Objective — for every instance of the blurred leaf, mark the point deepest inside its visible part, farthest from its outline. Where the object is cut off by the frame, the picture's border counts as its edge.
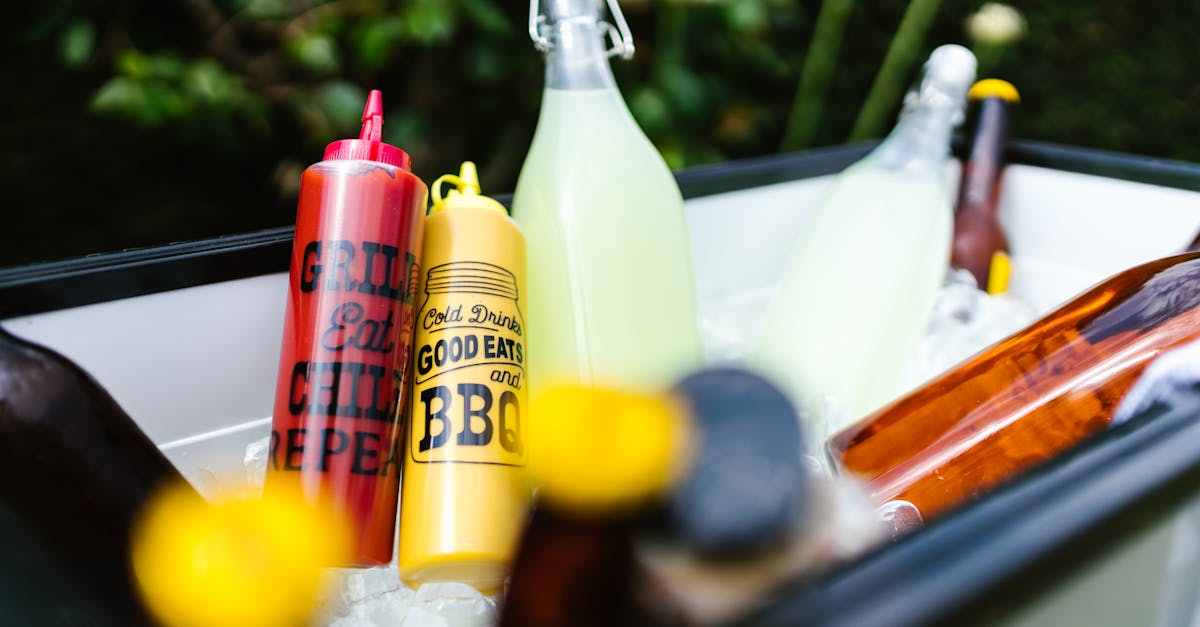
(342, 103)
(429, 21)
(406, 127)
(118, 95)
(672, 153)
(314, 52)
(137, 65)
(746, 16)
(267, 9)
(685, 91)
(77, 43)
(487, 16)
(148, 103)
(761, 56)
(651, 111)
(376, 39)
(133, 64)
(163, 102)
(487, 63)
(209, 82)
(700, 154)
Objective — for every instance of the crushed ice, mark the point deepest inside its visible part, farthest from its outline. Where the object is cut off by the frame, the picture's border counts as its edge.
(964, 321)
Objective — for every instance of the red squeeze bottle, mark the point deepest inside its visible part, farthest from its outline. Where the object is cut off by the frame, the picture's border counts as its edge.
(347, 335)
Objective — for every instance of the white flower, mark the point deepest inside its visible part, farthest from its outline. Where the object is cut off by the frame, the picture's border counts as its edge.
(996, 24)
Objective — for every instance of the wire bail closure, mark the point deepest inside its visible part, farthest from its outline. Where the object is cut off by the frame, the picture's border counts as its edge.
(620, 36)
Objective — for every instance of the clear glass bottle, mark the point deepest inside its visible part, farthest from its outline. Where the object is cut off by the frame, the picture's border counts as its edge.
(856, 294)
(611, 285)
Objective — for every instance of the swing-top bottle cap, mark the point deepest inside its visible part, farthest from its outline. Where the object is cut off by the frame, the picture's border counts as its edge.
(369, 145)
(465, 193)
(952, 69)
(565, 9)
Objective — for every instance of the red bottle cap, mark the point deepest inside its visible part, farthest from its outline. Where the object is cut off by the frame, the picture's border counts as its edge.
(368, 145)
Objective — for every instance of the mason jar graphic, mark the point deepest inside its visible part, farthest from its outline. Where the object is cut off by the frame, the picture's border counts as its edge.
(464, 498)
(469, 374)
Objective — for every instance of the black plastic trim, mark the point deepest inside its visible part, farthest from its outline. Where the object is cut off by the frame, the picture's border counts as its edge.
(937, 573)
(37, 288)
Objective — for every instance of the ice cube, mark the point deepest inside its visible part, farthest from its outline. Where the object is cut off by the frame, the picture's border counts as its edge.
(364, 597)
(205, 482)
(421, 617)
(846, 525)
(729, 326)
(351, 622)
(460, 604)
(964, 321)
(255, 461)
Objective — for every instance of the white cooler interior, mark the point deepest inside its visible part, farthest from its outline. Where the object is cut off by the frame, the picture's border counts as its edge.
(196, 367)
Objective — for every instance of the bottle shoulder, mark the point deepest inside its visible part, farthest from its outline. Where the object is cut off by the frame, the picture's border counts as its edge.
(493, 222)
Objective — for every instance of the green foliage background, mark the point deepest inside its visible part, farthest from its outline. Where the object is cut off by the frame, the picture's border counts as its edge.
(138, 122)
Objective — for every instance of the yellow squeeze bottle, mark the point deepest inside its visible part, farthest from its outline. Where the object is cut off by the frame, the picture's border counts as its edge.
(463, 498)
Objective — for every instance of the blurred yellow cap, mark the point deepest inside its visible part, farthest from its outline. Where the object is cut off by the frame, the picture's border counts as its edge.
(594, 451)
(249, 562)
(994, 87)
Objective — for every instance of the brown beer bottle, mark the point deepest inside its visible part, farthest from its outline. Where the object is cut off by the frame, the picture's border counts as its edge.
(979, 243)
(1027, 398)
(714, 470)
(75, 469)
(572, 570)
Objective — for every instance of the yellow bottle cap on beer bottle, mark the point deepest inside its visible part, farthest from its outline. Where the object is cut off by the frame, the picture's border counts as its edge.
(994, 88)
(466, 192)
(594, 451)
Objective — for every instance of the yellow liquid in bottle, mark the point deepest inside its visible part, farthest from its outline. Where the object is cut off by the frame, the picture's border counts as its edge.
(611, 286)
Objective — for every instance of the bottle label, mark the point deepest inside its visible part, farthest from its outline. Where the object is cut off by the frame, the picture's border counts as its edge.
(469, 368)
(347, 340)
(351, 376)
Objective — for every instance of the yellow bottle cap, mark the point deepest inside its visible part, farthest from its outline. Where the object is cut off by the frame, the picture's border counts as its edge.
(998, 273)
(465, 193)
(994, 88)
(594, 451)
(247, 562)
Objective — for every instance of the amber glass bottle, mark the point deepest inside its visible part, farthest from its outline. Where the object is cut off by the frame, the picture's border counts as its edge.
(978, 238)
(714, 470)
(1028, 398)
(571, 571)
